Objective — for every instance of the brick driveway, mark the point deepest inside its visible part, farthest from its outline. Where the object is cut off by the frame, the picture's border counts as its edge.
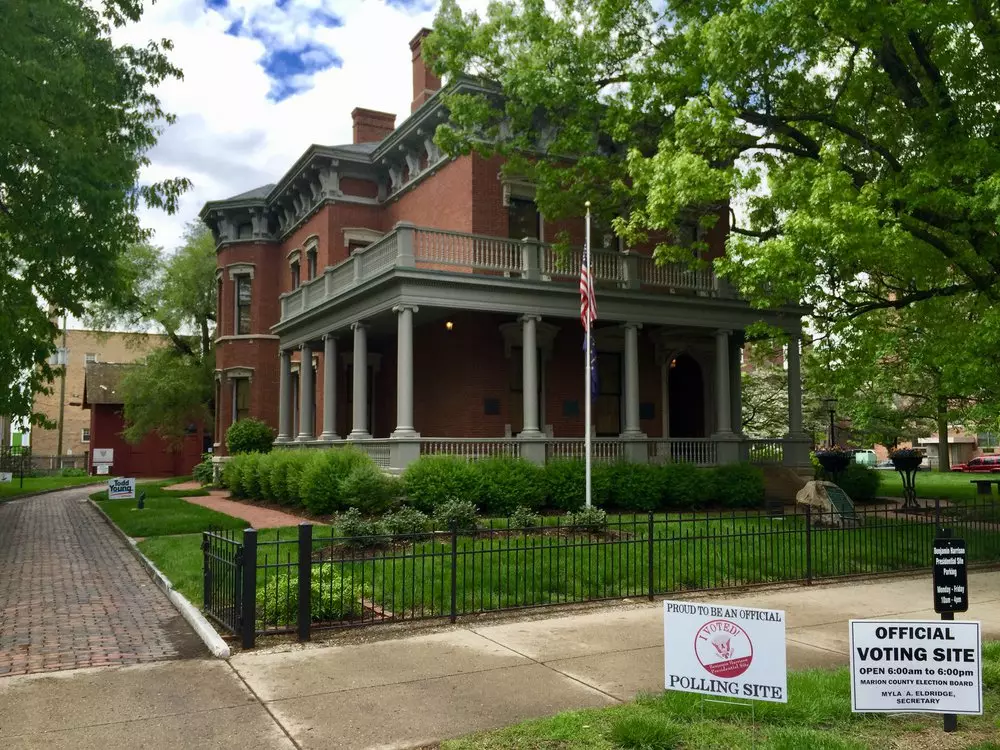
(72, 595)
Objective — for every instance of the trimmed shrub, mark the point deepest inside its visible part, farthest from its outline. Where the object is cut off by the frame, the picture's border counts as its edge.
(860, 482)
(265, 472)
(232, 475)
(361, 530)
(250, 475)
(588, 520)
(460, 514)
(684, 486)
(333, 598)
(249, 436)
(739, 486)
(524, 518)
(320, 488)
(506, 483)
(298, 463)
(634, 487)
(404, 523)
(368, 489)
(69, 472)
(432, 480)
(203, 472)
(564, 484)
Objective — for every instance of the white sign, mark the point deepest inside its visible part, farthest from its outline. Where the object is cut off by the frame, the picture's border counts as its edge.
(922, 666)
(102, 468)
(121, 488)
(6, 476)
(102, 456)
(725, 650)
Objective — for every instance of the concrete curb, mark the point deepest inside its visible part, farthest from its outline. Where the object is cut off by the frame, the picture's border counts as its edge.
(188, 611)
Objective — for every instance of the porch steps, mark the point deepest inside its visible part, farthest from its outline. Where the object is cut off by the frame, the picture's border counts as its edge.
(781, 485)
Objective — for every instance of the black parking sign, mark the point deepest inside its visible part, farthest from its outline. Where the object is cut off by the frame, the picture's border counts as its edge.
(951, 589)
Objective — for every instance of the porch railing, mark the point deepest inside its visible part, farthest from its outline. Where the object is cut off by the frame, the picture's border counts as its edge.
(471, 449)
(428, 249)
(601, 450)
(770, 451)
(699, 451)
(378, 450)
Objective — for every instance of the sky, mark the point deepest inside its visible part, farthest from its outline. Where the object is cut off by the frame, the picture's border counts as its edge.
(264, 79)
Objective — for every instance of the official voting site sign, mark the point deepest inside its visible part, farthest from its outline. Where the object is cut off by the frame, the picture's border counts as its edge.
(918, 666)
(121, 488)
(725, 651)
(951, 582)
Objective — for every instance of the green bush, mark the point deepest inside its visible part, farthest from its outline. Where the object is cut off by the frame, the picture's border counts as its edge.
(250, 475)
(204, 472)
(320, 488)
(590, 520)
(505, 483)
(634, 487)
(368, 489)
(69, 472)
(460, 514)
(432, 480)
(333, 597)
(524, 517)
(360, 532)
(563, 482)
(265, 472)
(739, 486)
(684, 486)
(298, 464)
(860, 482)
(249, 436)
(232, 474)
(404, 523)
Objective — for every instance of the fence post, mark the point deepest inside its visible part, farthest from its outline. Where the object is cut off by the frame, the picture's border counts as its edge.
(305, 579)
(454, 572)
(809, 547)
(937, 514)
(206, 567)
(652, 588)
(248, 610)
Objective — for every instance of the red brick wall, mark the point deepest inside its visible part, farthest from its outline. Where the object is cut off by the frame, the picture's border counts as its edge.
(265, 307)
(319, 224)
(362, 188)
(489, 214)
(152, 457)
(442, 201)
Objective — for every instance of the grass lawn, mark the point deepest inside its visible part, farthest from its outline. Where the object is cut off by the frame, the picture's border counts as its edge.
(817, 715)
(955, 486)
(13, 488)
(164, 513)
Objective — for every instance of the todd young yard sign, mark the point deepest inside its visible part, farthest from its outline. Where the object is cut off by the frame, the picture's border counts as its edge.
(916, 666)
(723, 650)
(121, 488)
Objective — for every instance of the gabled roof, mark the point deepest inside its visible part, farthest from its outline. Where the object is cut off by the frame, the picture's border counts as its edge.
(102, 383)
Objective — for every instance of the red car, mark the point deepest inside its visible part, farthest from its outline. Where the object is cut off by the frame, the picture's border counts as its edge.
(980, 465)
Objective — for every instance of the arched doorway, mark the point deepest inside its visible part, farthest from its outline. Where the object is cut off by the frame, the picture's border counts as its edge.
(686, 395)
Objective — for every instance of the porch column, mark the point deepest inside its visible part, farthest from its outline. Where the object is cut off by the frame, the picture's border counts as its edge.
(404, 373)
(724, 424)
(284, 397)
(736, 382)
(360, 429)
(632, 380)
(305, 394)
(329, 388)
(794, 385)
(529, 380)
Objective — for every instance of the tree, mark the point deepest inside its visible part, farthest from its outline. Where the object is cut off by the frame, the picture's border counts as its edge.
(79, 118)
(177, 295)
(859, 141)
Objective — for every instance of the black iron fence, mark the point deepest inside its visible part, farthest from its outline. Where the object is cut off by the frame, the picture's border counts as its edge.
(21, 462)
(308, 578)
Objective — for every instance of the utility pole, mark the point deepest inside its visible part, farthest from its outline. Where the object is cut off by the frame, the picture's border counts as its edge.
(64, 361)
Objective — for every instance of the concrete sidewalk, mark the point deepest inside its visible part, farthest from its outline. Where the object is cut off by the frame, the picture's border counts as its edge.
(414, 691)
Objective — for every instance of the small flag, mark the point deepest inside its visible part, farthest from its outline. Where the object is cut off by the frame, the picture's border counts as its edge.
(588, 301)
(594, 385)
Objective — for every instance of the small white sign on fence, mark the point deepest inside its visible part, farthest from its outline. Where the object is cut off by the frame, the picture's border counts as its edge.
(102, 456)
(6, 476)
(102, 468)
(725, 651)
(121, 488)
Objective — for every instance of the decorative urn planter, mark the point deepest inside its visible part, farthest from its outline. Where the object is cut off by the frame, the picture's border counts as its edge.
(833, 462)
(906, 460)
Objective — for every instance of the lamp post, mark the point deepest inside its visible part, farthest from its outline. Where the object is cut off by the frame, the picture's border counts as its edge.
(830, 403)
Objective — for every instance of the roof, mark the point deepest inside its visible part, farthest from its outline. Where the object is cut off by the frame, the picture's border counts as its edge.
(361, 148)
(102, 383)
(258, 192)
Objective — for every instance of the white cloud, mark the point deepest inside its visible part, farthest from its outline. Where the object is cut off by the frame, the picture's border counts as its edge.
(231, 135)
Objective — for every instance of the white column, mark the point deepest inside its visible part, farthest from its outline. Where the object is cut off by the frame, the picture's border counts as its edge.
(329, 388)
(632, 380)
(736, 382)
(360, 429)
(284, 397)
(794, 385)
(723, 405)
(404, 373)
(529, 376)
(305, 394)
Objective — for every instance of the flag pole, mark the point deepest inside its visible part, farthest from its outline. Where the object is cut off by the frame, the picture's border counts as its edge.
(587, 372)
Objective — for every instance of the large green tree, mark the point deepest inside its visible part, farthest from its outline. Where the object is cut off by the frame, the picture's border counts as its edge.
(857, 140)
(79, 117)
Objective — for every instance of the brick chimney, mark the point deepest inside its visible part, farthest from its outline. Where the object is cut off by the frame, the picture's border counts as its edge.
(425, 83)
(371, 126)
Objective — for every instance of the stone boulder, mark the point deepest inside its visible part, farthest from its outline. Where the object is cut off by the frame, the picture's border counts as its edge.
(825, 513)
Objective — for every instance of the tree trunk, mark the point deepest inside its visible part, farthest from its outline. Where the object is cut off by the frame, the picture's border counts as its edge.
(206, 342)
(944, 460)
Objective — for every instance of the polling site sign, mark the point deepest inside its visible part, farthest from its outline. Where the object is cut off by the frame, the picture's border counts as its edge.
(725, 651)
(121, 488)
(932, 666)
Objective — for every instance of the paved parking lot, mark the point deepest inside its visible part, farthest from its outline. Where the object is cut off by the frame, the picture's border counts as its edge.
(72, 595)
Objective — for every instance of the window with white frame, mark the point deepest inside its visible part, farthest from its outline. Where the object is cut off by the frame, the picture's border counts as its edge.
(85, 435)
(89, 358)
(296, 275)
(241, 398)
(243, 300)
(311, 263)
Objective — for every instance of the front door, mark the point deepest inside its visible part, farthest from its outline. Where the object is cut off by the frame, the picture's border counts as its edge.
(608, 404)
(686, 390)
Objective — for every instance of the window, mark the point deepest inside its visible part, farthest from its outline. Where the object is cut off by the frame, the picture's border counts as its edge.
(218, 407)
(85, 435)
(241, 398)
(296, 276)
(218, 304)
(311, 263)
(243, 297)
(522, 219)
(89, 358)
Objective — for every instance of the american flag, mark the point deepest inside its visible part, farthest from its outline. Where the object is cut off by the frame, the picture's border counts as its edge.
(588, 302)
